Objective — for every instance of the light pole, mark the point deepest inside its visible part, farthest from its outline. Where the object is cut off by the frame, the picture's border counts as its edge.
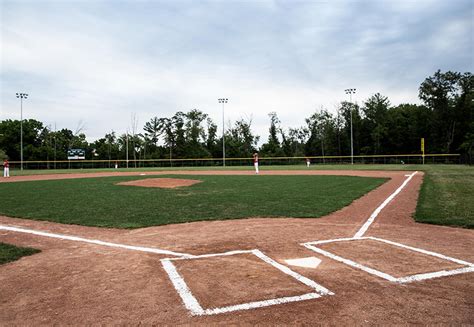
(126, 146)
(21, 96)
(350, 92)
(223, 101)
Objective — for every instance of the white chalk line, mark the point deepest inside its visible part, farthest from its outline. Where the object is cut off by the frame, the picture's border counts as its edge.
(400, 280)
(351, 263)
(179, 284)
(96, 242)
(376, 212)
(433, 254)
(192, 304)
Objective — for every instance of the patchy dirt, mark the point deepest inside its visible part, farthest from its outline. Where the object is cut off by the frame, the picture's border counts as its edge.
(79, 283)
(161, 182)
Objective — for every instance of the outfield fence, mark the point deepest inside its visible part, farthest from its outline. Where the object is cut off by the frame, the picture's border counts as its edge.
(263, 161)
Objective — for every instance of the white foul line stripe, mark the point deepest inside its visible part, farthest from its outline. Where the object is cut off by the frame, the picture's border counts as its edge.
(192, 304)
(97, 242)
(376, 212)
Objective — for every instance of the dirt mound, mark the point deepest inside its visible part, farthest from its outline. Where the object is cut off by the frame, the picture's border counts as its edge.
(161, 182)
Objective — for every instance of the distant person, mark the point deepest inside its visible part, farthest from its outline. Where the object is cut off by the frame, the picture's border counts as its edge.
(255, 162)
(308, 162)
(6, 168)
(116, 164)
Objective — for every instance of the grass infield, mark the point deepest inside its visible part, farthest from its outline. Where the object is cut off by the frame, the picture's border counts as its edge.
(9, 253)
(99, 202)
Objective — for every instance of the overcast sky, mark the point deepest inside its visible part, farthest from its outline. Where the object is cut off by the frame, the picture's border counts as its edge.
(100, 61)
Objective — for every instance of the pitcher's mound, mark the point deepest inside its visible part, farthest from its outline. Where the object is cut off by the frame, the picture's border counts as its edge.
(161, 182)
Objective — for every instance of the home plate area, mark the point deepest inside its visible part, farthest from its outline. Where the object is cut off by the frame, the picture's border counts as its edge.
(246, 280)
(243, 280)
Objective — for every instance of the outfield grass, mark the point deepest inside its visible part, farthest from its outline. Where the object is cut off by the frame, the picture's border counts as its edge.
(99, 202)
(447, 195)
(9, 253)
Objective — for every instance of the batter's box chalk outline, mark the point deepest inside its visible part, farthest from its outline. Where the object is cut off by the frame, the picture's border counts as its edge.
(469, 267)
(192, 304)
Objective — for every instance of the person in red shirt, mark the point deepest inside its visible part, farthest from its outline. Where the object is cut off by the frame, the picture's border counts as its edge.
(255, 162)
(6, 168)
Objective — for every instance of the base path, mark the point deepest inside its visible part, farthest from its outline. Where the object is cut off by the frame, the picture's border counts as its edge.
(235, 271)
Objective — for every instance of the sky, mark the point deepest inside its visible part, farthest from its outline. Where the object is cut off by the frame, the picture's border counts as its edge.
(95, 64)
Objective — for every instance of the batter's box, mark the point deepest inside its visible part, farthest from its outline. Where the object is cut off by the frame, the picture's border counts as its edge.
(218, 281)
(392, 261)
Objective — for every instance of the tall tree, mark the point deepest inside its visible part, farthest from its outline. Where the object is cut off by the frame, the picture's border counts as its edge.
(240, 140)
(375, 111)
(447, 95)
(273, 147)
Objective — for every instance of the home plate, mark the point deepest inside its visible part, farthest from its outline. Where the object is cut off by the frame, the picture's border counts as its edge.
(310, 262)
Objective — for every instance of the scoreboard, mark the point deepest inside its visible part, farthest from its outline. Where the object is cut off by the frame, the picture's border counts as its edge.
(76, 154)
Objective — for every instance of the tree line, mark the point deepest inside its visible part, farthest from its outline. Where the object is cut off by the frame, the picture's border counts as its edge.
(444, 119)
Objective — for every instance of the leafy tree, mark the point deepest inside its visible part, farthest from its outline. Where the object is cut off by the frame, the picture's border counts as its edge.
(3, 155)
(240, 141)
(211, 139)
(195, 134)
(273, 147)
(375, 112)
(153, 130)
(449, 96)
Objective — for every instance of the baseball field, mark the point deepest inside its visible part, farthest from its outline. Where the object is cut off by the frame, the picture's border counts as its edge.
(336, 245)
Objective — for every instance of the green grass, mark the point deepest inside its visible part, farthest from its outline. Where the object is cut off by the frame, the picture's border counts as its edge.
(99, 202)
(447, 197)
(9, 253)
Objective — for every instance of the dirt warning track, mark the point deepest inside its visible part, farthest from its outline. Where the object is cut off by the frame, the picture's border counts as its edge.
(234, 271)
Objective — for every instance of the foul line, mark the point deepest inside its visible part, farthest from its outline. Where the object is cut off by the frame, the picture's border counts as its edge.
(192, 304)
(376, 212)
(97, 242)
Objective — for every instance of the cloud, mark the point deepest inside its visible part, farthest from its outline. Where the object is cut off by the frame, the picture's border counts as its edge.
(101, 61)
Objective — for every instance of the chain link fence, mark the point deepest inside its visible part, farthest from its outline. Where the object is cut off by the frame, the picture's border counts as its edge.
(233, 162)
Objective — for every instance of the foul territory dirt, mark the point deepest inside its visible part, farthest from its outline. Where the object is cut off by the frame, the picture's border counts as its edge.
(77, 283)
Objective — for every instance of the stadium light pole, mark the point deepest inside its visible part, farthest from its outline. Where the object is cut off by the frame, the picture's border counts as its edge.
(21, 96)
(126, 146)
(350, 92)
(223, 101)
